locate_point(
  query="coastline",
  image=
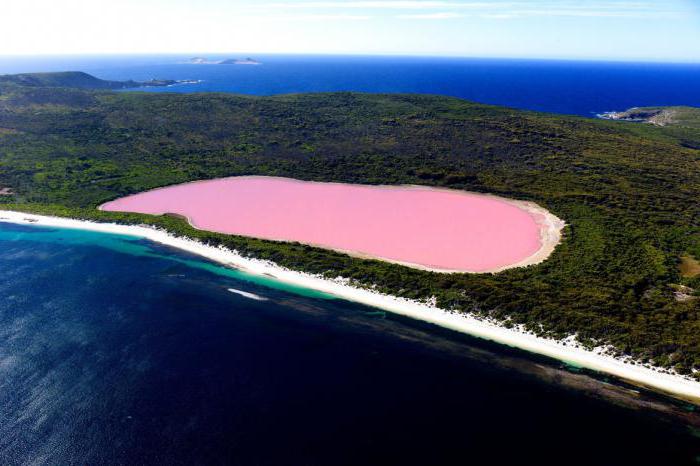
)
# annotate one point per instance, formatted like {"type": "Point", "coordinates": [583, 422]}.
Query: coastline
{"type": "Point", "coordinates": [550, 226]}
{"type": "Point", "coordinates": [563, 350]}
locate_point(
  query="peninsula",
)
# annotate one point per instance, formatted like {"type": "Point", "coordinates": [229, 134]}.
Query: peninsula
{"type": "Point", "coordinates": [659, 116]}
{"type": "Point", "coordinates": [79, 80]}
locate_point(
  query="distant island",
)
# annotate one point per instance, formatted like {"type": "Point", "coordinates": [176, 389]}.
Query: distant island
{"type": "Point", "coordinates": [81, 80]}
{"type": "Point", "coordinates": [228, 61]}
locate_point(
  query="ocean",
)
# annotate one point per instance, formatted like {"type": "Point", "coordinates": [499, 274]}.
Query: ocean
{"type": "Point", "coordinates": [567, 87]}
{"type": "Point", "coordinates": [115, 350]}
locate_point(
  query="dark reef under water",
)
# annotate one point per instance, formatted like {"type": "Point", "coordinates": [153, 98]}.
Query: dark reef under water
{"type": "Point", "coordinates": [114, 350]}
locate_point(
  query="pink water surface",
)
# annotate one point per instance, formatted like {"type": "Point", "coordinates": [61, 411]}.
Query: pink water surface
{"type": "Point", "coordinates": [447, 230]}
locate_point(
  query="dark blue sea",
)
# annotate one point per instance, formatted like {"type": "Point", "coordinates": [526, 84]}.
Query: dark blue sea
{"type": "Point", "coordinates": [115, 350]}
{"type": "Point", "coordinates": [569, 87]}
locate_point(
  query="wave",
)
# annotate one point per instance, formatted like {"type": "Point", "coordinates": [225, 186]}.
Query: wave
{"type": "Point", "coordinates": [248, 295]}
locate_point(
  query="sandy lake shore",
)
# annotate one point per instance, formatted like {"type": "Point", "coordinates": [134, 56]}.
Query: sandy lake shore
{"type": "Point", "coordinates": [565, 350]}
{"type": "Point", "coordinates": [429, 228]}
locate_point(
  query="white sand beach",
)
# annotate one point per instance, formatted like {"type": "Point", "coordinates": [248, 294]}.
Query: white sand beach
{"type": "Point", "coordinates": [566, 350]}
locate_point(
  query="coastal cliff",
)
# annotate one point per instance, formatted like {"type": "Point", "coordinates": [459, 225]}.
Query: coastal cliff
{"type": "Point", "coordinates": [658, 116]}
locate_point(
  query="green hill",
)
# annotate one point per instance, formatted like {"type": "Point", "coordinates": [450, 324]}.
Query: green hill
{"type": "Point", "coordinates": [74, 80]}
{"type": "Point", "coordinates": [681, 122]}
{"type": "Point", "coordinates": [629, 193]}
{"type": "Point", "coordinates": [71, 79]}
{"type": "Point", "coordinates": [688, 117]}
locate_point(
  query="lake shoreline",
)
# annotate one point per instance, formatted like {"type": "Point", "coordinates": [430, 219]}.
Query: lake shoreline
{"type": "Point", "coordinates": [550, 226]}
{"type": "Point", "coordinates": [564, 350]}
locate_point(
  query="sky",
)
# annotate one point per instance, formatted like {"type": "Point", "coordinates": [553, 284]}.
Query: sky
{"type": "Point", "coordinates": [655, 30]}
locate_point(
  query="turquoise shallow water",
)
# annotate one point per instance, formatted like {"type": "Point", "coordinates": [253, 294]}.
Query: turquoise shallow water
{"type": "Point", "coordinates": [115, 350]}
{"type": "Point", "coordinates": [139, 247]}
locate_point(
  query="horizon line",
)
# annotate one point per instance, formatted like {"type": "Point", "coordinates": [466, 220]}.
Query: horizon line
{"type": "Point", "coordinates": [366, 54]}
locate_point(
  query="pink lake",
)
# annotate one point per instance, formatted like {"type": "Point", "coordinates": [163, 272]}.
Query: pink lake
{"type": "Point", "coordinates": [437, 229]}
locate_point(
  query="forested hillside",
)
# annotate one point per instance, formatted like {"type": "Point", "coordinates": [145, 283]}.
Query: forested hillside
{"type": "Point", "coordinates": [75, 80]}
{"type": "Point", "coordinates": [629, 193]}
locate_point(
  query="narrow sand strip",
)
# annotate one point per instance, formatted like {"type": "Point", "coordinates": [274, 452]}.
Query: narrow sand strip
{"type": "Point", "coordinates": [562, 350]}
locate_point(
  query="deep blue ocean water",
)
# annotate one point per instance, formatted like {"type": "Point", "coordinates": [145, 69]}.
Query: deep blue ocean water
{"type": "Point", "coordinates": [570, 87]}
{"type": "Point", "coordinates": [114, 350]}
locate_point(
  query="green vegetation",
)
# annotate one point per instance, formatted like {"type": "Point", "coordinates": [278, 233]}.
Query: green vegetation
{"type": "Point", "coordinates": [690, 267]}
{"type": "Point", "coordinates": [681, 122]}
{"type": "Point", "coordinates": [688, 117]}
{"type": "Point", "coordinates": [629, 193]}
{"type": "Point", "coordinates": [73, 79]}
